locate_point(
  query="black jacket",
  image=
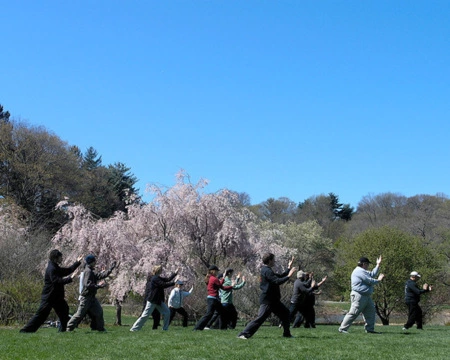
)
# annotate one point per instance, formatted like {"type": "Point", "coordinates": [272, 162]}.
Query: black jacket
{"type": "Point", "coordinates": [412, 292]}
{"type": "Point", "coordinates": [270, 285]}
{"type": "Point", "coordinates": [54, 280]}
{"type": "Point", "coordinates": [157, 286]}
{"type": "Point", "coordinates": [301, 292]}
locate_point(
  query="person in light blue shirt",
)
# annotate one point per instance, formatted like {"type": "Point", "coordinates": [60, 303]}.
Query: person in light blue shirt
{"type": "Point", "coordinates": [363, 282]}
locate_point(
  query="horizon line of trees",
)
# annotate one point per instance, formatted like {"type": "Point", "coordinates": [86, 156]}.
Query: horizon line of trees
{"type": "Point", "coordinates": [52, 194]}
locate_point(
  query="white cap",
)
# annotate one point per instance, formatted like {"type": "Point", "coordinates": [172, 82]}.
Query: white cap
{"type": "Point", "coordinates": [414, 273]}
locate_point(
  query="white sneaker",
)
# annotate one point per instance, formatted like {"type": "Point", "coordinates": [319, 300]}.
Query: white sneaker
{"type": "Point", "coordinates": [206, 328]}
{"type": "Point", "coordinates": [343, 331]}
{"type": "Point", "coordinates": [242, 337]}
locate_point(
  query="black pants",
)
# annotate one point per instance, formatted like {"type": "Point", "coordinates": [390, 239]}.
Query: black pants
{"type": "Point", "coordinates": [414, 316]}
{"type": "Point", "coordinates": [181, 311]}
{"type": "Point", "coordinates": [232, 314]}
{"type": "Point", "coordinates": [264, 312]}
{"type": "Point", "coordinates": [61, 308]}
{"type": "Point", "coordinates": [213, 323]}
{"type": "Point", "coordinates": [213, 305]}
{"type": "Point", "coordinates": [309, 314]}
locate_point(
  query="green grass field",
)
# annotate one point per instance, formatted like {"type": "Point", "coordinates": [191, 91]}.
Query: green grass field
{"type": "Point", "coordinates": [324, 342]}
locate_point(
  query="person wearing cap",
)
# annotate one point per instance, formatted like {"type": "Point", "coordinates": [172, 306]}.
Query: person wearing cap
{"type": "Point", "coordinates": [175, 301]}
{"type": "Point", "coordinates": [270, 298]}
{"type": "Point", "coordinates": [89, 304]}
{"type": "Point", "coordinates": [362, 282]}
{"type": "Point", "coordinates": [52, 296]}
{"type": "Point", "coordinates": [226, 297]}
{"type": "Point", "coordinates": [213, 301]}
{"type": "Point", "coordinates": [155, 299]}
{"type": "Point", "coordinates": [412, 299]}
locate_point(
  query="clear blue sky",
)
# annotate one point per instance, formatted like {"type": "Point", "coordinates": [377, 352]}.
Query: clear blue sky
{"type": "Point", "coordinates": [272, 98]}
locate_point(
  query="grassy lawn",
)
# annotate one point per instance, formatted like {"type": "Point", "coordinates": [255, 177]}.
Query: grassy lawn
{"type": "Point", "coordinates": [324, 342]}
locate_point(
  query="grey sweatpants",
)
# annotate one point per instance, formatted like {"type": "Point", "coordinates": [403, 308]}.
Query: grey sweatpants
{"type": "Point", "coordinates": [88, 305]}
{"type": "Point", "coordinates": [163, 309]}
{"type": "Point", "coordinates": [360, 304]}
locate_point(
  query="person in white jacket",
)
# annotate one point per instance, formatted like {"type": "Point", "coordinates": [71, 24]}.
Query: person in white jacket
{"type": "Point", "coordinates": [176, 301]}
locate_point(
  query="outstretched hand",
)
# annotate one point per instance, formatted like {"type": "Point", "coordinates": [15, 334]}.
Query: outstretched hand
{"type": "Point", "coordinates": [379, 260]}
{"type": "Point", "coordinates": [290, 262]}
{"type": "Point", "coordinates": [79, 258]}
{"type": "Point", "coordinates": [292, 271]}
{"type": "Point", "coordinates": [74, 274]}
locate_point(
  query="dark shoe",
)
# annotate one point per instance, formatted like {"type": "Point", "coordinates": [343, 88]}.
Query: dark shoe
{"type": "Point", "coordinates": [372, 332]}
{"type": "Point", "coordinates": [288, 336]}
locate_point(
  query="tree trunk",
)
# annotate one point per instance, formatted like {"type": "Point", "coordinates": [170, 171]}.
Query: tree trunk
{"type": "Point", "coordinates": [118, 306]}
{"type": "Point", "coordinates": [383, 317]}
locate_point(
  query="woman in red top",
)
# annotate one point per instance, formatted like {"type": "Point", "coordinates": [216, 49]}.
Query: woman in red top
{"type": "Point", "coordinates": [213, 300]}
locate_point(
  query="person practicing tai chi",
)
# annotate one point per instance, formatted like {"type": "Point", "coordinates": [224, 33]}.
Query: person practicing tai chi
{"type": "Point", "coordinates": [155, 299]}
{"type": "Point", "coordinates": [213, 284]}
{"type": "Point", "coordinates": [270, 298]}
{"type": "Point", "coordinates": [412, 299]}
{"type": "Point", "coordinates": [53, 293]}
{"type": "Point", "coordinates": [226, 297]}
{"type": "Point", "coordinates": [363, 282]}
{"type": "Point", "coordinates": [175, 301]}
{"type": "Point", "coordinates": [89, 304]}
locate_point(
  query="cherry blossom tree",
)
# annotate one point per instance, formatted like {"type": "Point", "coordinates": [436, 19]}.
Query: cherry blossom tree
{"type": "Point", "coordinates": [181, 227]}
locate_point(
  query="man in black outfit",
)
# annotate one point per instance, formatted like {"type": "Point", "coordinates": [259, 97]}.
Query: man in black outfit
{"type": "Point", "coordinates": [53, 293]}
{"type": "Point", "coordinates": [412, 298]}
{"type": "Point", "coordinates": [270, 299]}
{"type": "Point", "coordinates": [308, 311]}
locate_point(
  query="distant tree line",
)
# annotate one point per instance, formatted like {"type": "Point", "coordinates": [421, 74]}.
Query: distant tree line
{"type": "Point", "coordinates": [54, 195]}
